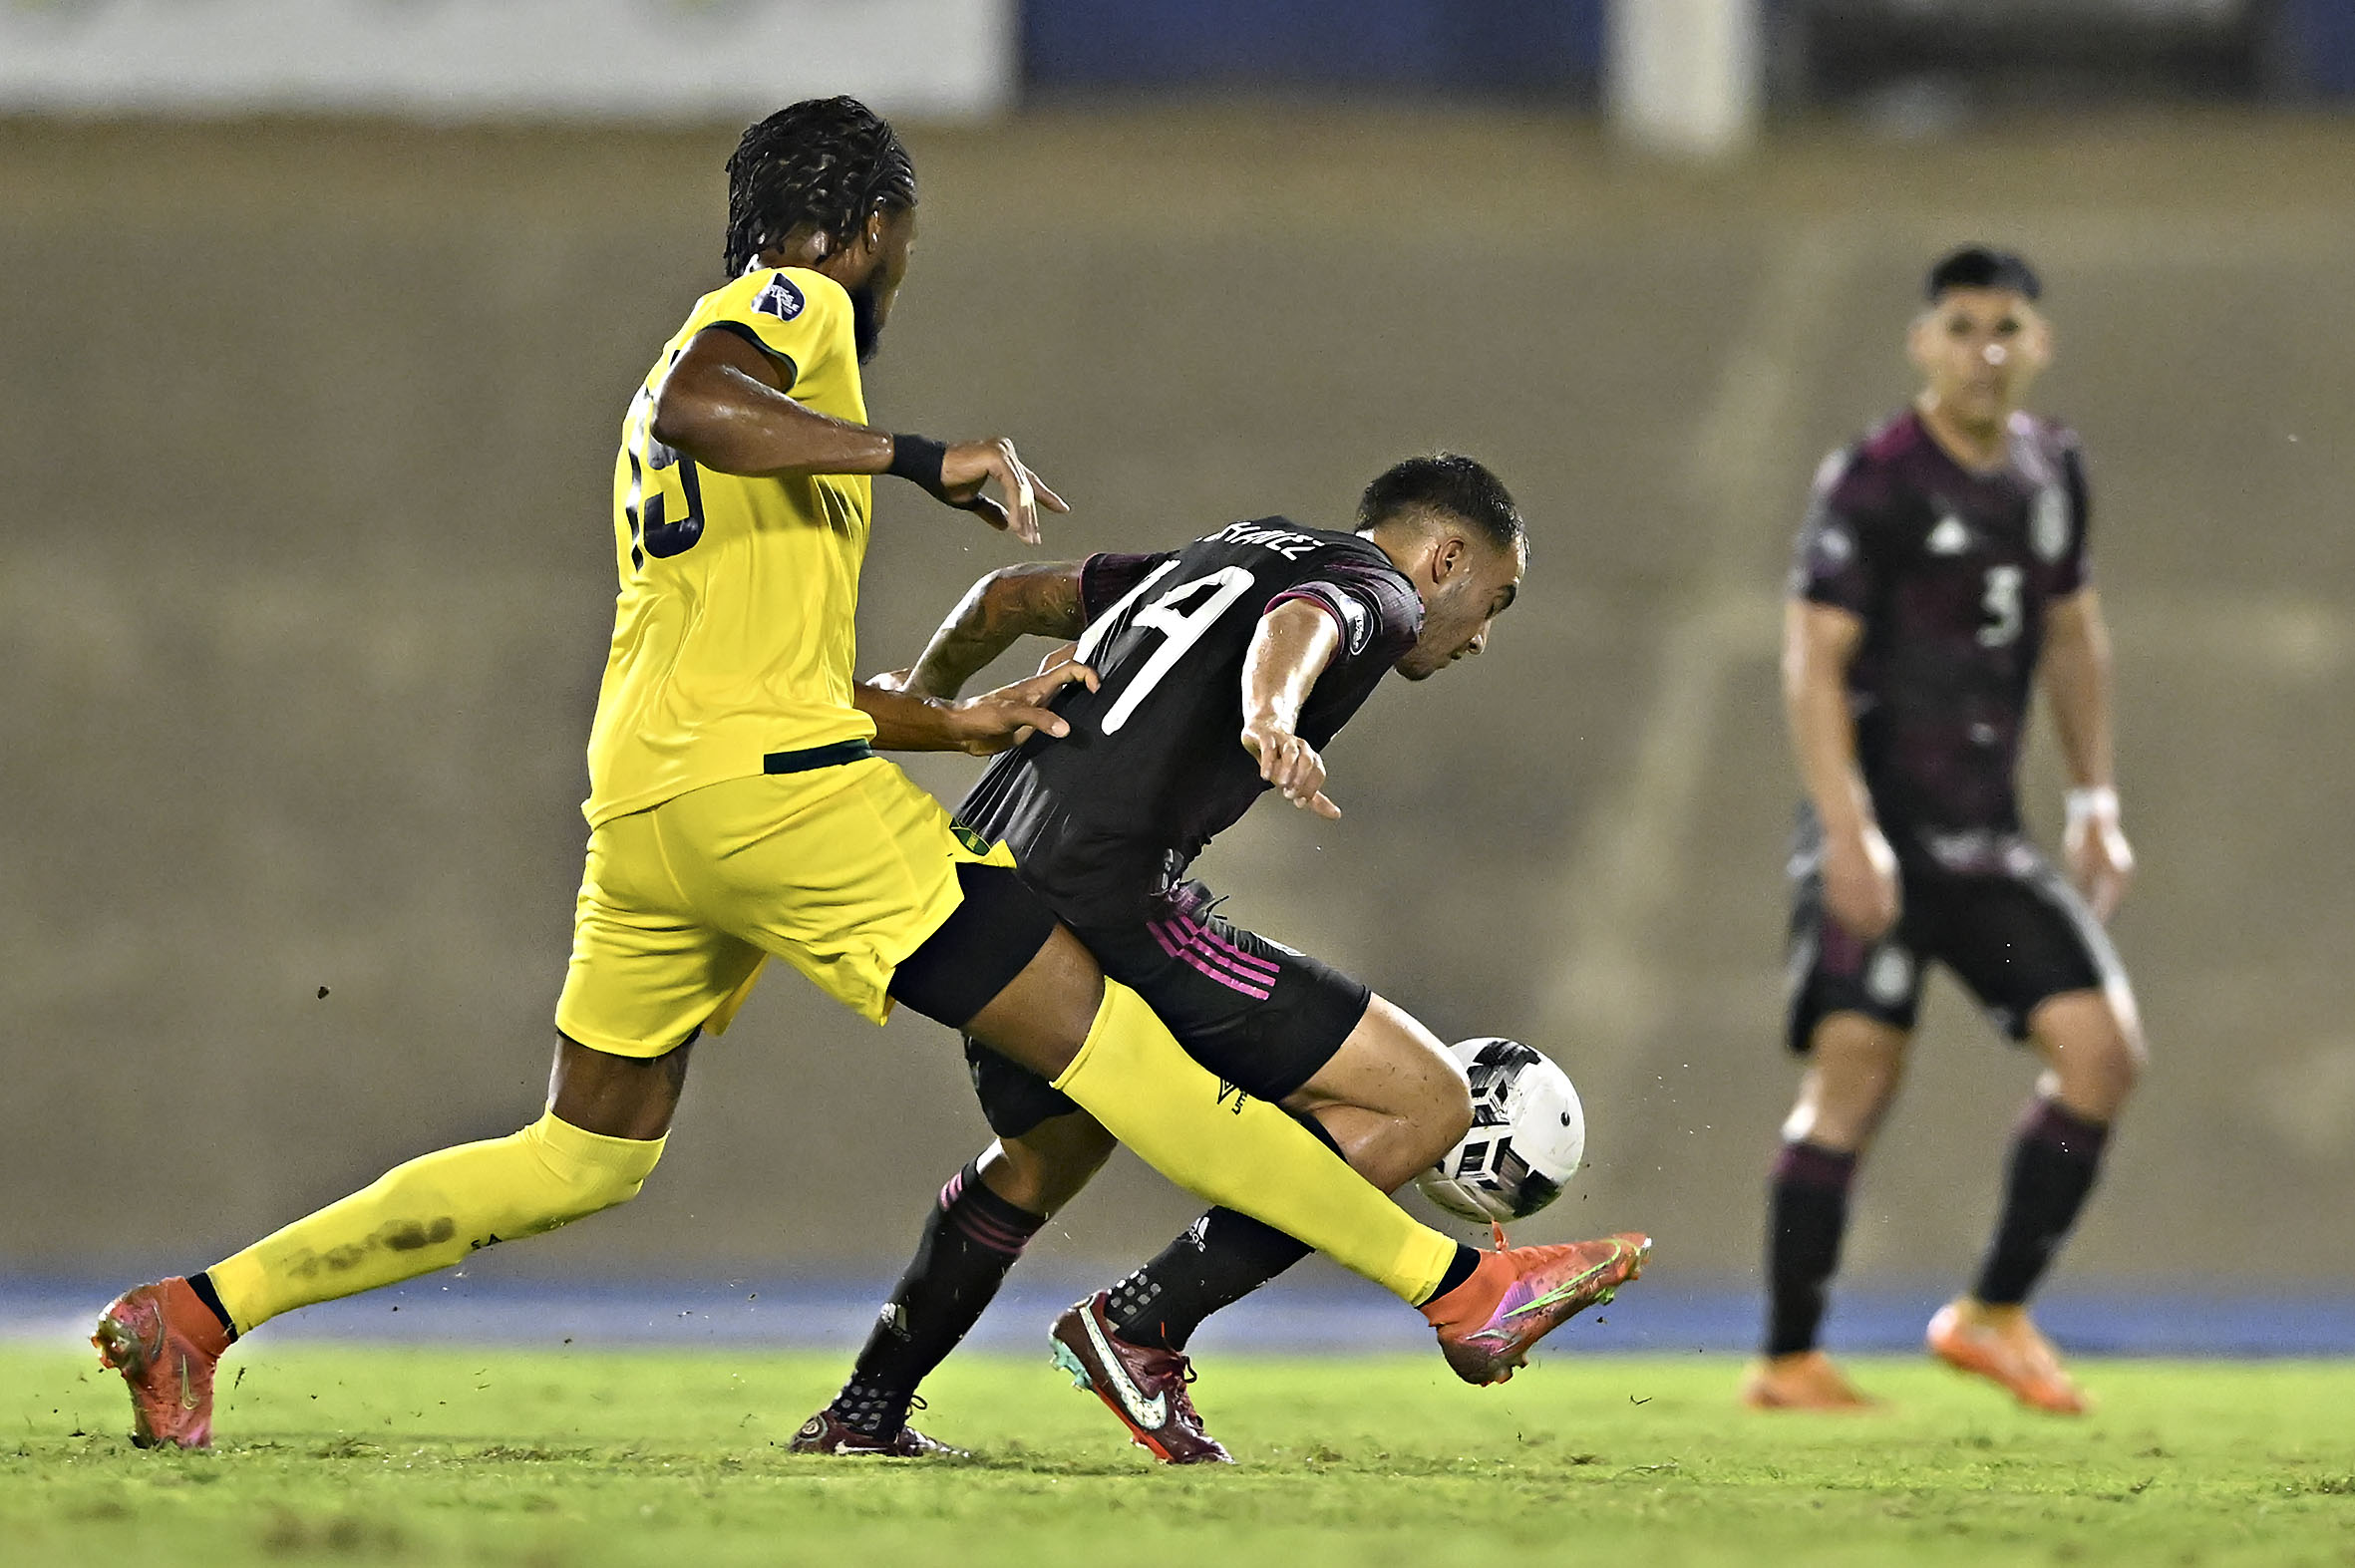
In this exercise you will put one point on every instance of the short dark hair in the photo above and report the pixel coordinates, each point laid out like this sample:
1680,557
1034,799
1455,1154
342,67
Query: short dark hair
824,163
1449,483
1980,267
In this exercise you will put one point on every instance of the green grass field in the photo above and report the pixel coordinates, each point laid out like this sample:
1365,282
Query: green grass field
581,1458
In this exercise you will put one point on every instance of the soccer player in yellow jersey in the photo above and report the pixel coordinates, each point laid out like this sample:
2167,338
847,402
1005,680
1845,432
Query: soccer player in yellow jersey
737,811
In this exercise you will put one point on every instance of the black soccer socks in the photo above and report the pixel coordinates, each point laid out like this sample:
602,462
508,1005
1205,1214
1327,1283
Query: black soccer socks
1216,1262
1806,1214
2055,1157
971,1238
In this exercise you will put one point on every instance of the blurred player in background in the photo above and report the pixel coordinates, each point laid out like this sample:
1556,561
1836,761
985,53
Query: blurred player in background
1945,558
736,813
1226,667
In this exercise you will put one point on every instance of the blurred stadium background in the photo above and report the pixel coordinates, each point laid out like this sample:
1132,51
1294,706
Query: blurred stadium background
318,324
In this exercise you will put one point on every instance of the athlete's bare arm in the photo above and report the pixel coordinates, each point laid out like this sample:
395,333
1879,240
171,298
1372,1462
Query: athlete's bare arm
1860,872
982,726
1040,599
726,405
1291,647
2077,684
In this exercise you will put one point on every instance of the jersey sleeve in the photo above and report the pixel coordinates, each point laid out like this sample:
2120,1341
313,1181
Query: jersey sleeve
796,316
1834,561
1106,577
2074,569
1378,612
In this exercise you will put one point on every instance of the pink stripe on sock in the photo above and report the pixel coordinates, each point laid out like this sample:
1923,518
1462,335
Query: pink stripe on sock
988,1232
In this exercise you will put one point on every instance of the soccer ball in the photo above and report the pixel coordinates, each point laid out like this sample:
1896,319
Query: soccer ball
1528,1134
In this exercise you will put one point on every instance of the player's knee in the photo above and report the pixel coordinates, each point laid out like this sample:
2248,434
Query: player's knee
1446,1116
2093,1047
1046,1168
2120,1068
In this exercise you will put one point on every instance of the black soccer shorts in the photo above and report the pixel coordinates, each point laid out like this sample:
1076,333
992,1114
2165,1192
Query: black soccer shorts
1262,1015
2017,934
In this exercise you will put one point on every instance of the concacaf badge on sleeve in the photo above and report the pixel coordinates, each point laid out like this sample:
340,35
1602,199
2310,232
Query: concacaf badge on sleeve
780,299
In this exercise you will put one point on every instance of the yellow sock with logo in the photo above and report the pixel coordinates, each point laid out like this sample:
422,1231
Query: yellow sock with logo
1133,1077
430,1214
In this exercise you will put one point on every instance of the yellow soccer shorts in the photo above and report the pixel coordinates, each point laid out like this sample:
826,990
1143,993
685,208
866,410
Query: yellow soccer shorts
841,871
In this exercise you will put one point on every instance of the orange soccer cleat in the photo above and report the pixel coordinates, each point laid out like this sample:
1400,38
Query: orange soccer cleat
2001,1344
165,1342
1802,1380
1519,1295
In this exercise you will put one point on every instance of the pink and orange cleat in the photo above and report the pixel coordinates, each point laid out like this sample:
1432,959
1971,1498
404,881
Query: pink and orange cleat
165,1342
2001,1345
1519,1295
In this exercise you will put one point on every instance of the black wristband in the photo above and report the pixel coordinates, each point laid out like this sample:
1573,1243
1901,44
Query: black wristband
917,459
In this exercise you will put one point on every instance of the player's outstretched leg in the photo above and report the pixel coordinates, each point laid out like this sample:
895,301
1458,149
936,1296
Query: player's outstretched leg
1107,1052
165,1338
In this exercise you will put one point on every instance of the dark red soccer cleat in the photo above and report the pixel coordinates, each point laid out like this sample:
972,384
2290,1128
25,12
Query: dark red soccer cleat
1144,1387
1519,1295
826,1433
165,1342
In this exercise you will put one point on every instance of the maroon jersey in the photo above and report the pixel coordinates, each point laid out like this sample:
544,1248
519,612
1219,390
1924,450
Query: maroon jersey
1110,815
1953,572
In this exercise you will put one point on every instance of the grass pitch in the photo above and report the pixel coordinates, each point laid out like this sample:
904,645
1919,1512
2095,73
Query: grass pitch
499,1456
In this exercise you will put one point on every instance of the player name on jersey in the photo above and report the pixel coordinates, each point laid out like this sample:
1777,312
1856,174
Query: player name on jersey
1108,817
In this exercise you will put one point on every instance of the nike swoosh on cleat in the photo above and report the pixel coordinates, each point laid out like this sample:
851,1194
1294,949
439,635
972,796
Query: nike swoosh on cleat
1570,1287
1153,1413
188,1394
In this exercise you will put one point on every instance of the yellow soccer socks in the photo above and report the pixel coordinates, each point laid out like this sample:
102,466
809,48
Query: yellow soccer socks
1133,1077
430,1214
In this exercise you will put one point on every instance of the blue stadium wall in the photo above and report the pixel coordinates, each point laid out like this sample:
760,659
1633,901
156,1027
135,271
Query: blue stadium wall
1523,48
1541,48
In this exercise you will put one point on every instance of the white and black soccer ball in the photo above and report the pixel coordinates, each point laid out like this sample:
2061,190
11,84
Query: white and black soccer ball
1528,1134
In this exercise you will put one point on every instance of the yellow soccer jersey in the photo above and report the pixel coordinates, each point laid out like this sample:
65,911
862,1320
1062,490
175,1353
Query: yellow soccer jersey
734,634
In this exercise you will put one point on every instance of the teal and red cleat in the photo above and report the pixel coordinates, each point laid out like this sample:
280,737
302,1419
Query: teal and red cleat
165,1342
1143,1384
1519,1295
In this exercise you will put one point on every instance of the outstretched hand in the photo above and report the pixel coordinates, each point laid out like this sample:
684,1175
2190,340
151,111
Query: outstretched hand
994,721
1290,765
968,466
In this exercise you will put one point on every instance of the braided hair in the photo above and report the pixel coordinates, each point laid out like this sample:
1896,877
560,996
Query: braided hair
824,163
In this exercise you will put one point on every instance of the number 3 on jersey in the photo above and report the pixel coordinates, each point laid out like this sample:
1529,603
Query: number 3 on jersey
665,501
1182,616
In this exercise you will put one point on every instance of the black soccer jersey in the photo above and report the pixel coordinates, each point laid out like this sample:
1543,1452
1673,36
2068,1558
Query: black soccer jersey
1110,814
1951,572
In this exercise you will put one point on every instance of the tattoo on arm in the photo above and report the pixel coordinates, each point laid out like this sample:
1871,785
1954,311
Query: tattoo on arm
1041,600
